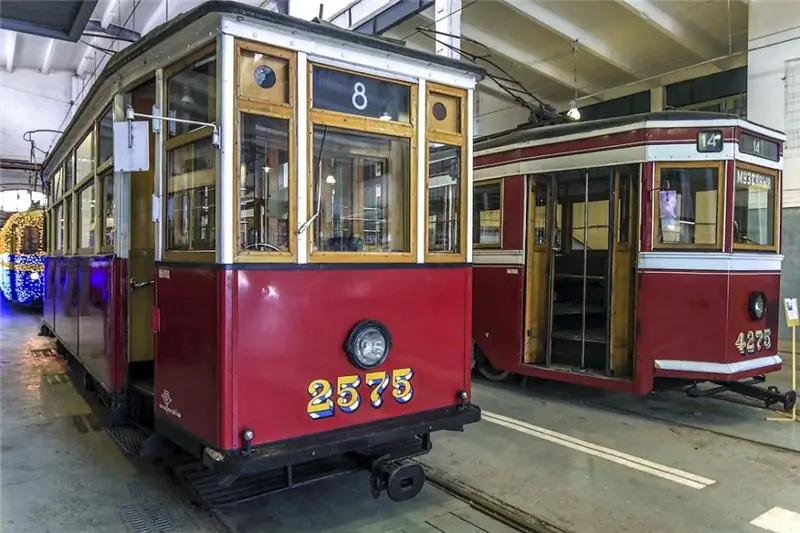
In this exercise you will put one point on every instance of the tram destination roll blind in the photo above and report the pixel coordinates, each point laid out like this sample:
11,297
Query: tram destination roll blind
354,94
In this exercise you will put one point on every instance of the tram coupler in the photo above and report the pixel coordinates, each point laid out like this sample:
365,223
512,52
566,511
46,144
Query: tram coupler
401,480
770,396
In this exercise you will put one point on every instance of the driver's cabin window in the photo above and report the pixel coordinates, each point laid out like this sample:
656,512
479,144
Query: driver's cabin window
487,215
754,208
264,184
687,206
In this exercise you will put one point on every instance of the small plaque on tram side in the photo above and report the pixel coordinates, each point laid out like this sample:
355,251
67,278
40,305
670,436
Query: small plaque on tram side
354,94
710,141
759,147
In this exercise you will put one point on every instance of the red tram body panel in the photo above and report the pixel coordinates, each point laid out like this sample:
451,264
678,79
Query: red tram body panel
622,251
274,286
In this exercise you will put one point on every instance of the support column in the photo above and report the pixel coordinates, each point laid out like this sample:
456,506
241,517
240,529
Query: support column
657,99
447,14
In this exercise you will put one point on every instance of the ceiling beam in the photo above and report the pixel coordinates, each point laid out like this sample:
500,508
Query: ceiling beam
11,49
49,52
534,11
88,51
692,38
522,58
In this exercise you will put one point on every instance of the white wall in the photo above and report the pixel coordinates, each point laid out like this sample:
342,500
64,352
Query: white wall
30,100
774,41
494,114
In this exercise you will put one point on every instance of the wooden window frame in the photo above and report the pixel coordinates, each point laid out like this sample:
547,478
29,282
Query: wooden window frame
721,200
100,194
102,166
776,211
178,141
355,123
286,111
56,223
482,183
77,226
458,140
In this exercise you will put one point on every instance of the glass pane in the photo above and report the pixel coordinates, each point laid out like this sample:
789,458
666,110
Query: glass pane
623,208
191,216
58,183
60,229
362,182
687,200
357,94
264,77
754,208
86,218
590,225
540,214
192,95
105,146
31,239
264,183
69,172
68,219
486,221
444,198
84,158
109,210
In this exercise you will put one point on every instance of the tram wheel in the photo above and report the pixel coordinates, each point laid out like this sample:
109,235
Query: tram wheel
789,400
486,370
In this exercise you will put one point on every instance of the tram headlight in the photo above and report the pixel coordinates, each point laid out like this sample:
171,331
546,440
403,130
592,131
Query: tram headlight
368,344
757,305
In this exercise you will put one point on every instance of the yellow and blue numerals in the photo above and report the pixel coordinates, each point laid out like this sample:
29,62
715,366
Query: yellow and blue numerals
349,399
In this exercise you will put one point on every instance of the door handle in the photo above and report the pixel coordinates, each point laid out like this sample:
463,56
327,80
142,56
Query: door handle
139,284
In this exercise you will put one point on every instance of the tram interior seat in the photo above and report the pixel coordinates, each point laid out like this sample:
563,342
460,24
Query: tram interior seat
345,243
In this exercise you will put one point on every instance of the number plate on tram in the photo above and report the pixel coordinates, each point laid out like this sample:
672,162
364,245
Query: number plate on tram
753,341
352,390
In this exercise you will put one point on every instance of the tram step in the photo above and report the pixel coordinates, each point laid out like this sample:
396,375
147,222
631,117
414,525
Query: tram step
130,438
206,489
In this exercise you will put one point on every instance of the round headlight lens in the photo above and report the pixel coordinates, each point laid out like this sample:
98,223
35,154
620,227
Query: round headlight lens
758,305
368,344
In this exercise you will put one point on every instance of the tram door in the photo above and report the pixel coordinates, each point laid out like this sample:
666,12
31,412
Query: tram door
141,255
580,270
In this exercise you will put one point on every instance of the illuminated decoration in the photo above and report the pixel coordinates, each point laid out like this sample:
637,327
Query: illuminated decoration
22,258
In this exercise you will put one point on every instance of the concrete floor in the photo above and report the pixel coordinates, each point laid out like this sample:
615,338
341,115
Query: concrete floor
566,455
590,469
61,473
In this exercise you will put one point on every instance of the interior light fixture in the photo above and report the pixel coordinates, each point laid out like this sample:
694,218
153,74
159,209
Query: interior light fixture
574,113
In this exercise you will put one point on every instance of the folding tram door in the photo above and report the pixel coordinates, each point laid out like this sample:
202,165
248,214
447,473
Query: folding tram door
580,270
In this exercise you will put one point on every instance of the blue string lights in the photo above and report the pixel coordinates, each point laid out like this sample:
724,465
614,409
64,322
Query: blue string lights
22,258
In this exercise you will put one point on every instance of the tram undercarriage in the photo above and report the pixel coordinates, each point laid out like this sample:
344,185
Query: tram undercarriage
387,455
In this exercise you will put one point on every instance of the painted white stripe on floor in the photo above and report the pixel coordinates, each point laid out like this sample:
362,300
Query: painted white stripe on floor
637,463
778,520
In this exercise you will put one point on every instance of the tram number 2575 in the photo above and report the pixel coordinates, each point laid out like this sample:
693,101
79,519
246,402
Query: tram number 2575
753,341
349,390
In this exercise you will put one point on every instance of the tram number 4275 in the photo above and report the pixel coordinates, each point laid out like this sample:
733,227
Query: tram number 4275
348,392
753,341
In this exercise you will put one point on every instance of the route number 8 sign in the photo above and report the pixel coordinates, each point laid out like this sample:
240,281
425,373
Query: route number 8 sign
358,94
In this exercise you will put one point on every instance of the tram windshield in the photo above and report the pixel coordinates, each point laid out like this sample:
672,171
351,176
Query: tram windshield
689,205
754,208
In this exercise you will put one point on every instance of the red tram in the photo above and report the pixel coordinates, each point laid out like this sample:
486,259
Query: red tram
239,255
615,252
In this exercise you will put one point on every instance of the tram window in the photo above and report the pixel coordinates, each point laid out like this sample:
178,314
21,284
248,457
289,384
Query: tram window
687,206
191,208
623,207
191,95
754,208
86,219
264,183
58,183
84,158
60,229
444,197
363,183
69,171
66,221
30,240
105,143
594,221
109,209
486,211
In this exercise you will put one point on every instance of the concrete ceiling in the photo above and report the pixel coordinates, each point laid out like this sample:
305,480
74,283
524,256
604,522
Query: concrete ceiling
623,46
